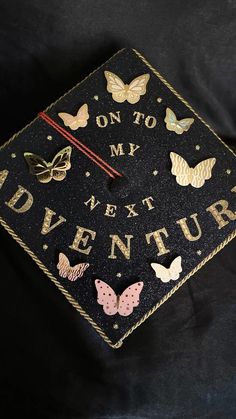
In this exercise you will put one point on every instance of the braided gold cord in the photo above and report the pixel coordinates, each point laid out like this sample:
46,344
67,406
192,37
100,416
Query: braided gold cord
17,133
54,280
57,283
53,103
181,98
167,296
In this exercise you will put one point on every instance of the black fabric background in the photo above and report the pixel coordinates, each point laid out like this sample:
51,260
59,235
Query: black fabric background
182,362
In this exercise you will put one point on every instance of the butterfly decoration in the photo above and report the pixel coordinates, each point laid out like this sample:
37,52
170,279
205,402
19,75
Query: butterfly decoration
69,272
122,304
56,169
130,92
168,274
80,120
186,175
172,123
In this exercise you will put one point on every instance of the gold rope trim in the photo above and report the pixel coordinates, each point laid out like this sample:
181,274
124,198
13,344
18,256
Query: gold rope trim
75,304
54,280
164,81
167,296
53,103
57,283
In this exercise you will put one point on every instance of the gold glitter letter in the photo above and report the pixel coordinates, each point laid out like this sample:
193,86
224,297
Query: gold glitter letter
92,202
24,207
101,121
115,117
110,210
183,224
79,238
124,249
117,150
150,121
223,210
3,176
133,148
159,242
47,226
132,212
138,116
148,202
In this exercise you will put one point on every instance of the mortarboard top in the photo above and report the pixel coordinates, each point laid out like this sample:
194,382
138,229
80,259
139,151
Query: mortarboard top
119,192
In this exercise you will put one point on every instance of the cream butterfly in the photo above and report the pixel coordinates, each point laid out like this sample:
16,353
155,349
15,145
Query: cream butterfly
130,92
172,123
165,274
186,175
80,120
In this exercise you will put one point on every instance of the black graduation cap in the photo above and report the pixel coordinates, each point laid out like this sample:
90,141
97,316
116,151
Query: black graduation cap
119,192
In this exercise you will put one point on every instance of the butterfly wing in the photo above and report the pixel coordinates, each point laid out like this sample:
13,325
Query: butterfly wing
161,272
106,297
61,163
116,87
38,167
68,120
175,268
202,172
170,120
77,271
130,299
82,117
63,265
137,88
180,169
183,125
172,124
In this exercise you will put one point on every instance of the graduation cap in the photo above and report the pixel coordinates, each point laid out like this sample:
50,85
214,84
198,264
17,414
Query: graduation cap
119,192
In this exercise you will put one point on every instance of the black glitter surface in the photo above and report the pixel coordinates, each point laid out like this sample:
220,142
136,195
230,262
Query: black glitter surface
172,202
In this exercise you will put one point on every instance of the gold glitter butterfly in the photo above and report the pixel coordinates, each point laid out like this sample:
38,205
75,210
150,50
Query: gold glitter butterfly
44,171
172,123
186,175
130,92
80,120
168,274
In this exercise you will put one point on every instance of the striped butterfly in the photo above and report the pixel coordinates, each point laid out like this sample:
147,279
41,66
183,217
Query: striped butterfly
69,272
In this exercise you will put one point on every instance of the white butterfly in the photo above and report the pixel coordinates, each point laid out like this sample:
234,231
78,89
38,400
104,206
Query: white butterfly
130,92
168,274
186,175
80,120
172,123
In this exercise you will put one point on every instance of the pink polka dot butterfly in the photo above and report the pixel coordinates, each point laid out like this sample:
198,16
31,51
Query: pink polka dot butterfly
122,304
